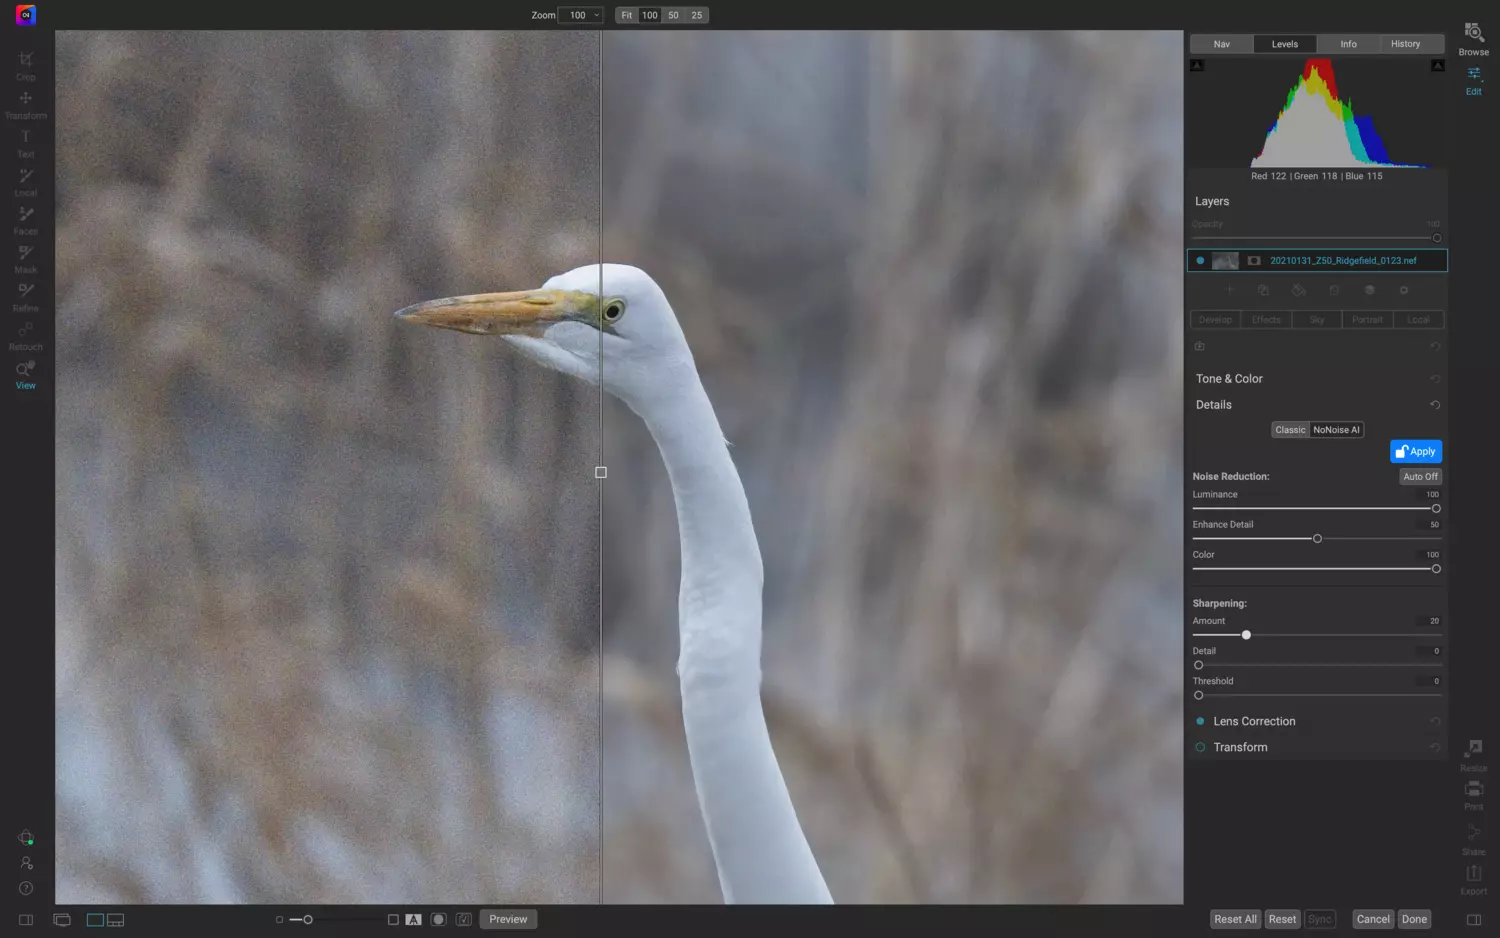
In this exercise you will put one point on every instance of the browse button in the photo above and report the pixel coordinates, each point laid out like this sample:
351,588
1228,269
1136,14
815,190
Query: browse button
507,919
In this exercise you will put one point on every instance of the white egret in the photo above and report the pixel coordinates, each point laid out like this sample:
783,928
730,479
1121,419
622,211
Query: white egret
611,325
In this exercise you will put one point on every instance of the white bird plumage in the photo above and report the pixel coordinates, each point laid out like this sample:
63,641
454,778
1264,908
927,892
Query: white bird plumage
611,325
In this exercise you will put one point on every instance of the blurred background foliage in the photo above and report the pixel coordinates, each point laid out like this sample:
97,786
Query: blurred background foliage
340,618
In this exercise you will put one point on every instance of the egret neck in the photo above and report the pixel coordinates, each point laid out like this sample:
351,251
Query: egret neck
758,845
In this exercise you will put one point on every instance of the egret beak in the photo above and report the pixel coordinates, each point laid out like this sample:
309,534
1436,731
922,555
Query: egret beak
523,312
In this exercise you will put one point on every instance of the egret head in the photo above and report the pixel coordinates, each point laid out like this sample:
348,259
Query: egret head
608,324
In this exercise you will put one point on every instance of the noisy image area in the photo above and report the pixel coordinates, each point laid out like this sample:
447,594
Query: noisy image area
343,614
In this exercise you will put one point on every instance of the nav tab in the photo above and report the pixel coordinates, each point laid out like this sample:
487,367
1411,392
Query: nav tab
1292,45
1367,44
1412,44
1222,45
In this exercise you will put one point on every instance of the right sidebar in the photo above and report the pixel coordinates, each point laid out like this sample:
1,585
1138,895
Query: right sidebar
1317,406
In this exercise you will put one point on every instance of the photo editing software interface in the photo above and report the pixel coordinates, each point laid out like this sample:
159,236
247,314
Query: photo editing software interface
560,468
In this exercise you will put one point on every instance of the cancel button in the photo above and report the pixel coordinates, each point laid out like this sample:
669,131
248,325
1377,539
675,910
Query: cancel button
1416,919
1374,918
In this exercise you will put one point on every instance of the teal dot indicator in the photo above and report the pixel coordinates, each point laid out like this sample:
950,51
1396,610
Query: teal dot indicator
1199,721
1200,747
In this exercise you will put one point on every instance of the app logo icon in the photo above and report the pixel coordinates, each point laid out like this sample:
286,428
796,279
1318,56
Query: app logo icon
26,14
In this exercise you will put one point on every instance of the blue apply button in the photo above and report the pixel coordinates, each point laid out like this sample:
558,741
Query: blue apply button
1417,451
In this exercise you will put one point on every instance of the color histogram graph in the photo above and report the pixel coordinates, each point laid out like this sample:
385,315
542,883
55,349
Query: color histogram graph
1318,129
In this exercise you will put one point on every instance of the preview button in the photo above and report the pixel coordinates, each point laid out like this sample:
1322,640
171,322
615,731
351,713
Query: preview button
507,919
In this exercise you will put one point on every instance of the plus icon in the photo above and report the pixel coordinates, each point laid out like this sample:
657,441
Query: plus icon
25,97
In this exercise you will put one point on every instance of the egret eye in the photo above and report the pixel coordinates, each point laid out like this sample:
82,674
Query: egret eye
613,310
